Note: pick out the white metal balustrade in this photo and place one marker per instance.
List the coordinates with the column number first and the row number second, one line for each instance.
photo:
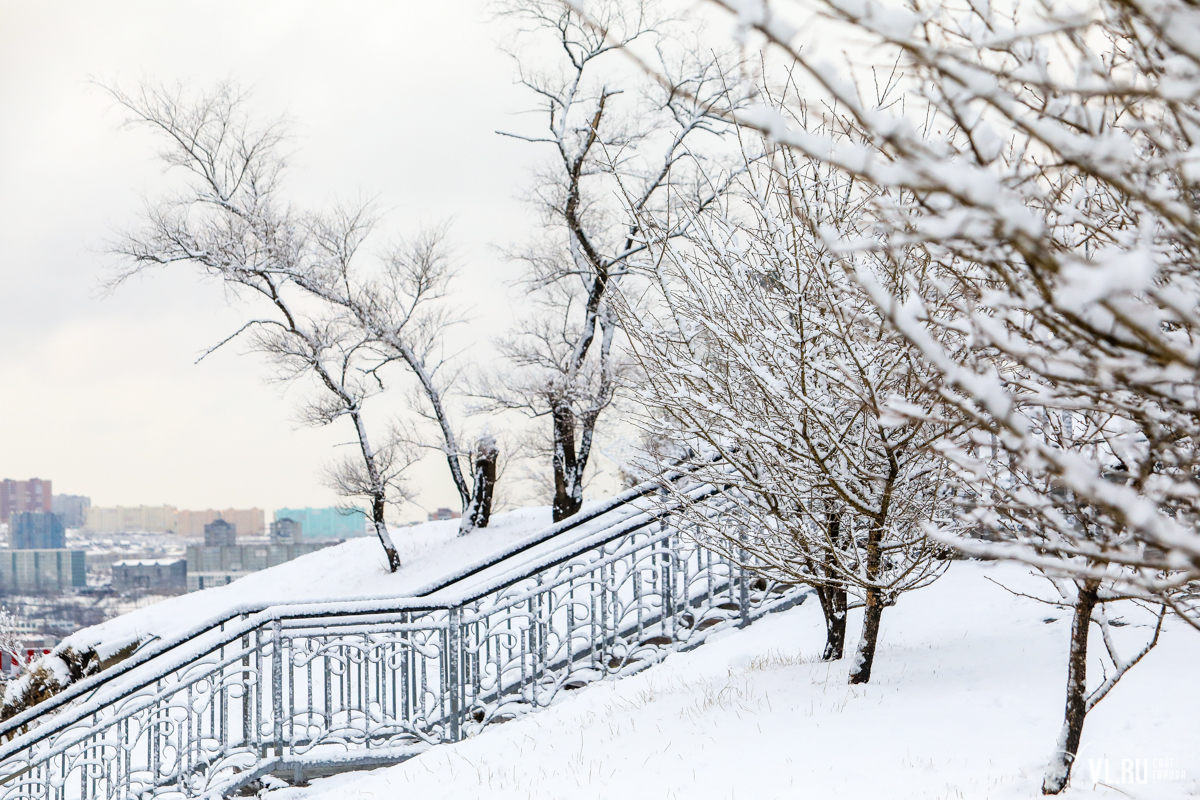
column 294, row 687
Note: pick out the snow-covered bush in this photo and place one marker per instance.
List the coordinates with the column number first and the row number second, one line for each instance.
column 46, row 677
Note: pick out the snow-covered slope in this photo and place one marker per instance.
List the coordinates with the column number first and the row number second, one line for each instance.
column 965, row 702
column 353, row 570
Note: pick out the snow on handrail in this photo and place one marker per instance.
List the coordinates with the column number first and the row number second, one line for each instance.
column 294, row 686
column 151, row 651
column 436, row 595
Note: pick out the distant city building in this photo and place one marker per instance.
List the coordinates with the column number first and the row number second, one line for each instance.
column 71, row 508
column 216, row 566
column 37, row 530
column 150, row 573
column 326, row 523
column 18, row 496
column 443, row 513
column 33, row 571
column 130, row 519
column 249, row 521
column 220, row 533
column 285, row 531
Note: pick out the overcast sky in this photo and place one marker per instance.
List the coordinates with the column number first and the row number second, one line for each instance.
column 397, row 99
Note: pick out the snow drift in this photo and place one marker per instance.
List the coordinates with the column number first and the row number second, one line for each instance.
column 966, row 702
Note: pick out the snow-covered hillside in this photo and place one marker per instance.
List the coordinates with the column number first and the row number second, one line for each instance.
column 354, row 570
column 965, row 702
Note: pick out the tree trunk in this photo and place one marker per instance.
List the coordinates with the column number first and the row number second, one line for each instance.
column 378, row 486
column 1068, row 740
column 833, row 598
column 568, row 497
column 479, row 511
column 833, row 605
column 864, row 656
column 377, row 507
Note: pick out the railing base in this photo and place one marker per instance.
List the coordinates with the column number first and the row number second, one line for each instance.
column 296, row 770
column 293, row 696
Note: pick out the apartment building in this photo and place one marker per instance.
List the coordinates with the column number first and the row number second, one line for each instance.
column 285, row 531
column 71, row 507
column 42, row 570
column 131, row 519
column 220, row 533
column 161, row 574
column 216, row 566
column 37, row 530
column 325, row 523
column 18, row 496
column 248, row 521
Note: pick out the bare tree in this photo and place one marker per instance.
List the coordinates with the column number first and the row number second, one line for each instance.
column 231, row 222
column 1044, row 162
column 609, row 145
column 767, row 359
column 400, row 310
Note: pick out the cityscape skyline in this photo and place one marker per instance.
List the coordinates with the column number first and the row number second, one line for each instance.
column 126, row 416
column 100, row 518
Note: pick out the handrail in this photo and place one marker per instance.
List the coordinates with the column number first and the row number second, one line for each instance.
column 298, row 686
column 427, row 600
column 94, row 682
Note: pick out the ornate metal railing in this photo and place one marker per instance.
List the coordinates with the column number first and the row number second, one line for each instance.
column 295, row 687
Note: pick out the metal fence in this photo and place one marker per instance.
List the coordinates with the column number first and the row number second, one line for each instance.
column 296, row 687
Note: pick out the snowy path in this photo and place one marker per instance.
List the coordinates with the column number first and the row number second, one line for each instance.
column 966, row 702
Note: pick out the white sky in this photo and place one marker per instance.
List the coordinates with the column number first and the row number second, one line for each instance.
column 397, row 99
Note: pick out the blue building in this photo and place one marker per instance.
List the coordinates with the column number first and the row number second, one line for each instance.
column 326, row 523
column 37, row 530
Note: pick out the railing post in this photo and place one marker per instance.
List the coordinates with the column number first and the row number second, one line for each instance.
column 453, row 682
column 246, row 719
column 442, row 680
column 605, row 654
column 744, row 587
column 277, row 684
column 666, row 590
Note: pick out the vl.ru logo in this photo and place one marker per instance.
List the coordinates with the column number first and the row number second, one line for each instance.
column 1129, row 771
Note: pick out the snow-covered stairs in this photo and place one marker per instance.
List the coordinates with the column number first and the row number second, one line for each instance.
column 298, row 689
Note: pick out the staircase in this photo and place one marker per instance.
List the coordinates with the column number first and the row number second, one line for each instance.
column 309, row 689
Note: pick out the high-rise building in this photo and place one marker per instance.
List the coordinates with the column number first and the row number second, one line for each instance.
column 249, row 521
column 220, row 533
column 37, row 530
column 42, row 570
column 71, row 508
column 285, row 531
column 326, row 523
column 18, row 496
column 130, row 519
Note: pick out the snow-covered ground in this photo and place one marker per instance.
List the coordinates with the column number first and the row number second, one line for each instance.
column 353, row 570
column 965, row 702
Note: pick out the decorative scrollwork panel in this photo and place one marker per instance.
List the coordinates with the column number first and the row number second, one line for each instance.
column 301, row 688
